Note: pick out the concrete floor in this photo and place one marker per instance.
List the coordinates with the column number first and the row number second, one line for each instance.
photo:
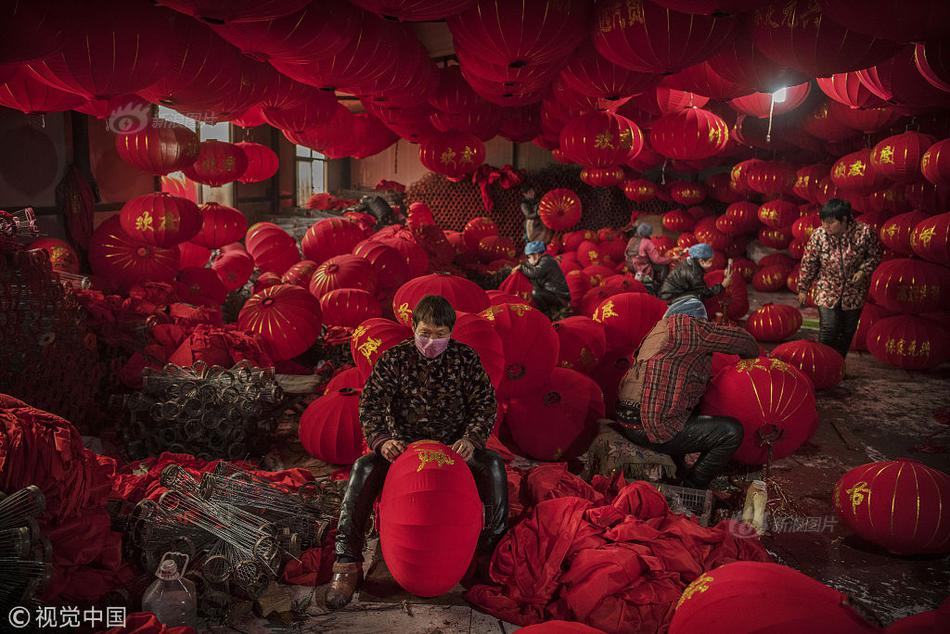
column 878, row 413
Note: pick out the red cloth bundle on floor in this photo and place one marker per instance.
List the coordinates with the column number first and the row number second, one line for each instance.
column 146, row 623
column 619, row 567
column 223, row 346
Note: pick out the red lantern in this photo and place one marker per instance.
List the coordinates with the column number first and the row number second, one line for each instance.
column 744, row 267
column 909, row 342
column 220, row 225
column 556, row 422
column 478, row 228
column 897, row 158
column 201, row 287
column 371, row 339
column 898, row 504
column 328, row 238
column 930, row 239
column 820, row 363
column 687, row 193
column 589, row 254
column 348, row 378
column 806, row 181
column 775, row 238
column 847, row 89
column 343, row 271
column 390, row 268
column 160, row 219
column 415, row 10
column 495, row 248
column 590, row 74
column 518, row 285
column 597, row 273
column 348, row 307
column 895, row 232
column 217, row 163
column 897, row 81
column 678, row 221
column 23, row 90
column 688, row 239
column 477, row 333
column 866, row 120
column 601, row 176
column 454, row 154
column 192, row 255
column 746, row 214
column 266, row 280
column 531, row 347
column 582, row 343
column 689, row 134
column 415, row 257
column 124, row 261
column 274, row 250
column 601, row 139
column 774, row 322
column 159, row 148
column 234, row 269
column 287, row 318
column 62, row 256
column 778, row 213
column 711, row 236
column 639, row 190
column 430, row 517
column 910, row 286
column 464, row 295
column 627, row 318
column 772, row 178
column 804, row 226
column 935, row 163
column 228, row 11
column 560, row 209
column 770, row 398
column 770, row 279
column 870, row 314
column 330, row 427
column 762, row 105
column 652, row 39
column 262, row 162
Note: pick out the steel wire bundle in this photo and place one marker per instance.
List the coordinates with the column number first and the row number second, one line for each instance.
column 25, row 555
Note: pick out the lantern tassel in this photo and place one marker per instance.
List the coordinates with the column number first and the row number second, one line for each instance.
column 768, row 133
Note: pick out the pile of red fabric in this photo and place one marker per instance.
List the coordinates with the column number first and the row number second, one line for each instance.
column 608, row 554
column 39, row 448
column 325, row 202
column 387, row 185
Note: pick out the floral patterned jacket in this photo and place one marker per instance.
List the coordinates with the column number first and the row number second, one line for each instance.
column 831, row 261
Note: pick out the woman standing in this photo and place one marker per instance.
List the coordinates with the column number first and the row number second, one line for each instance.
column 644, row 260
column 839, row 260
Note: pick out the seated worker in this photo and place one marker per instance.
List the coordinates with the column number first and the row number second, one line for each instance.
column 686, row 280
column 669, row 376
column 550, row 293
column 644, row 260
column 431, row 387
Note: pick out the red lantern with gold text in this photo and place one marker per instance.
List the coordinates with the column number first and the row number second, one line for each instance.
column 343, row 271
column 678, row 221
column 897, row 158
column 806, row 181
column 287, row 318
column 262, row 162
column 775, row 238
column 601, row 139
column 464, row 295
column 778, row 213
column 329, row 238
column 899, row 505
column 220, row 225
column 711, row 236
column 870, row 314
column 627, row 318
column 390, row 268
column 160, row 219
column 820, row 363
column 639, row 190
column 774, row 402
column 689, row 134
column 330, row 427
column 124, row 262
column 531, row 347
column 601, row 176
column 896, row 231
column 909, row 342
column 454, row 154
column 746, row 215
column 582, row 343
column 62, row 256
column 371, row 339
column 218, row 163
column 348, row 307
column 430, row 517
column 804, row 226
column 687, row 193
column 234, row 269
column 560, row 209
column 770, row 279
column 772, row 178
column 478, row 228
column 774, row 322
column 930, row 239
column 160, row 148
column 935, row 163
column 910, row 286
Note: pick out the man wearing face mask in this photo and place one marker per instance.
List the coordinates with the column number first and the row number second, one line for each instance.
column 430, row 387
column 550, row 292
column 687, row 279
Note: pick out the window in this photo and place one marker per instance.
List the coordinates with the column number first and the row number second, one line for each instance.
column 311, row 174
column 175, row 183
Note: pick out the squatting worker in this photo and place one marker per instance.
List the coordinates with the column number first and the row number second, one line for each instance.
column 644, row 260
column 430, row 387
column 687, row 279
column 839, row 260
column 669, row 376
column 550, row 293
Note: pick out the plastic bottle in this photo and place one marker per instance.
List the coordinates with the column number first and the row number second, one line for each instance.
column 172, row 598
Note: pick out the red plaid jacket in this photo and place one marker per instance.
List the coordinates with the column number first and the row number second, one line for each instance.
column 676, row 377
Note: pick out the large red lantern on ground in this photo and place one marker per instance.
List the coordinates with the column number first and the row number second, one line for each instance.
column 930, row 239
column 430, row 517
column 327, row 238
column 287, row 318
column 909, row 342
column 300, row 274
column 531, row 347
column 160, row 219
column 560, row 209
column 159, row 148
column 820, row 363
column 415, row 257
column 275, row 251
column 900, row 505
column 896, row 231
column 582, row 343
column 601, row 139
column 234, row 269
column 518, row 285
column 897, row 158
column 201, row 287
column 454, row 154
column 390, row 267
column 330, row 427
column 733, row 302
column 774, row 322
column 769, row 279
column 935, row 163
column 123, row 261
column 476, row 229
column 262, row 162
column 349, row 307
column 477, row 333
column 218, row 163
column 778, row 213
column 689, row 134
column 870, row 314
column 556, row 422
column 910, row 286
column 627, row 318
column 371, row 339
column 494, row 248
column 464, row 295
column 220, row 225
column 774, row 402
column 343, row 271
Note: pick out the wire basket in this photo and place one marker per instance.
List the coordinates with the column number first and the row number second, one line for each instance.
column 696, row 503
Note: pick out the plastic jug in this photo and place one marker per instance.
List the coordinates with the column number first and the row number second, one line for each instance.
column 172, row 598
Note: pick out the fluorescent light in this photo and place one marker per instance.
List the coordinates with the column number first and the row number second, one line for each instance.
column 780, row 95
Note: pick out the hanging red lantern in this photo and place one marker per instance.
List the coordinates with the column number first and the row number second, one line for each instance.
column 160, row 219
column 560, row 209
column 30, row 31
column 806, row 181
column 745, row 213
column 477, row 333
column 521, row 124
column 687, row 193
column 159, row 148
column 601, row 176
column 820, row 363
column 464, row 295
column 895, row 232
column 853, row 172
column 556, row 422
column 927, row 197
column 220, row 225
column 415, row 257
column 454, row 154
column 589, row 73
column 430, row 517
column 910, row 286
column 328, row 238
column 62, row 256
column 933, row 61
column 531, row 347
column 804, row 226
column 287, row 318
column 728, row 225
column 866, row 120
column 648, row 38
column 274, row 250
column 764, row 105
column 897, row 81
column 689, row 134
column 371, row 339
column 601, row 139
column 711, row 236
column 234, row 269
column 913, row 519
column 930, row 239
column 909, row 342
column 201, row 287
column 639, row 190
column 476, row 229
column 770, row 279
column 228, row 11
column 778, row 213
column 330, row 427
column 678, row 221
column 899, row 21
column 774, row 322
column 821, row 124
column 218, row 163
column 935, row 163
column 627, row 318
column 453, row 93
column 262, row 162
column 415, row 10
column 847, row 89
column 582, row 343
column 343, row 271
column 770, row 398
column 772, row 178
column 719, row 190
column 23, row 90
column 124, row 262
column 391, row 270
column 897, row 158
column 348, row 307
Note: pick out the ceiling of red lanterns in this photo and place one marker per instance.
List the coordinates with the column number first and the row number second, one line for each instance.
column 611, row 84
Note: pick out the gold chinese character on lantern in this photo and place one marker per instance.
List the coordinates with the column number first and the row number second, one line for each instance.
column 468, row 154
column 747, row 365
column 448, row 157
column 405, row 315
column 778, row 364
column 857, row 495
column 144, row 222
column 891, row 230
column 925, row 236
column 604, row 140
column 715, row 135
column 168, row 221
column 229, row 163
column 840, row 169
column 359, row 332
column 620, row 15
column 626, row 138
column 886, row 155
column 924, row 349
column 924, row 162
column 432, row 456
column 519, row 309
column 699, row 585
column 370, row 346
column 856, row 168
column 605, row 312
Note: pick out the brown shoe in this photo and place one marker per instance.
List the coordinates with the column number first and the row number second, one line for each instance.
column 346, row 579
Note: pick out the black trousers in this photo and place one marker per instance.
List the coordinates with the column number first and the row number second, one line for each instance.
column 366, row 483
column 837, row 327
column 547, row 302
column 716, row 438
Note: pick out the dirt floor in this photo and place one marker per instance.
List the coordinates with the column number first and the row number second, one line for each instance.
column 878, row 413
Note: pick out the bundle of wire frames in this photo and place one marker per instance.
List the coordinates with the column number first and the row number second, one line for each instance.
column 25, row 555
